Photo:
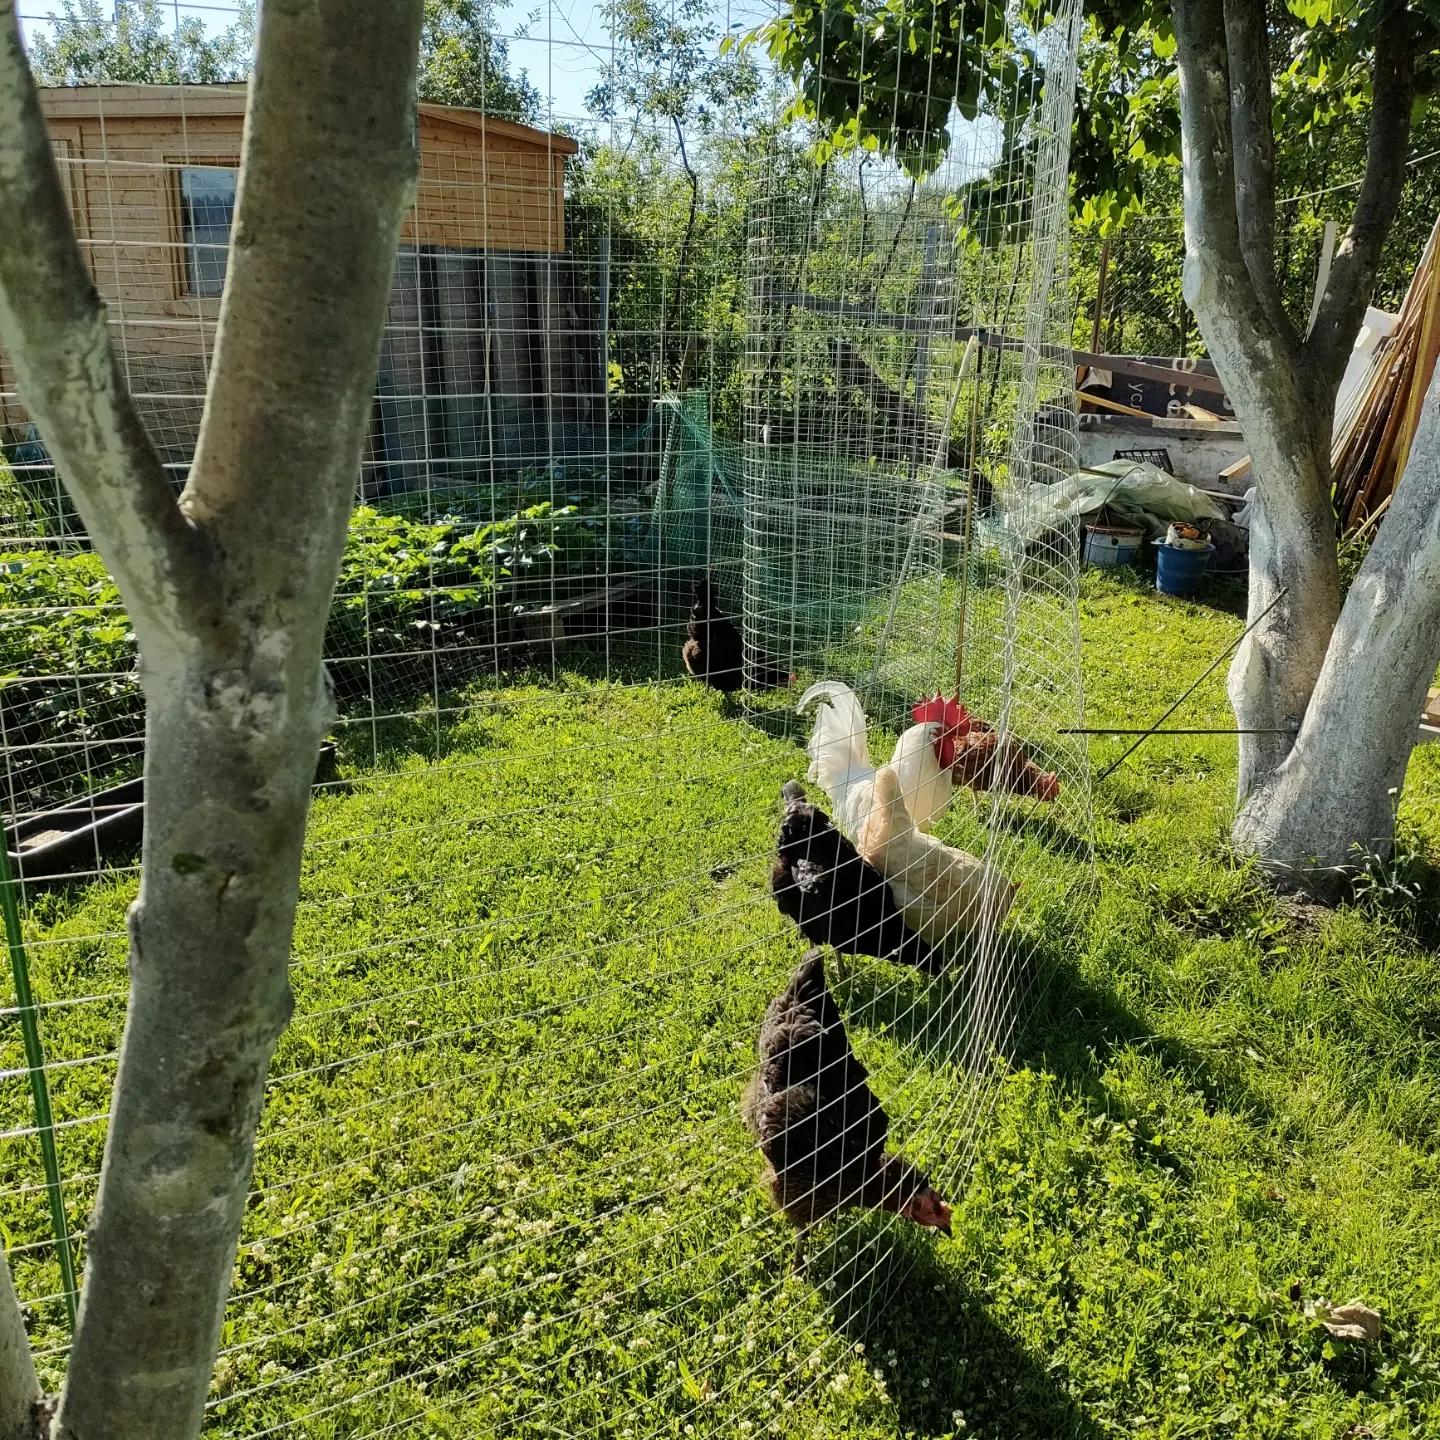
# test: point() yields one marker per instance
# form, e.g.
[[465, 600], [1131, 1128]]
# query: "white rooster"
[[840, 755], [942, 891]]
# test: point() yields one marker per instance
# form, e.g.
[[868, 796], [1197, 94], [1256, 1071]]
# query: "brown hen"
[[820, 1127]]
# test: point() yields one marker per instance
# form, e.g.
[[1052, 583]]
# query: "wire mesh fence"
[[502, 1184]]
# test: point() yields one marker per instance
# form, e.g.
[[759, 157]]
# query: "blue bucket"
[[1179, 572]]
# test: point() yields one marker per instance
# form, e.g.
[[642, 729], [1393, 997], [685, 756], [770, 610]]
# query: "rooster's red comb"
[[937, 709]]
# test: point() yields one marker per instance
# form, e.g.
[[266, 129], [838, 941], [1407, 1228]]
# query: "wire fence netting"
[[503, 1185]]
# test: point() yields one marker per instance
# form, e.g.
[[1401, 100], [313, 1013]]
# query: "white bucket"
[[1110, 545]]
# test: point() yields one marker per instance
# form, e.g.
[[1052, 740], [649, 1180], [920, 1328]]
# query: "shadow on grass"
[[941, 1352], [1050, 1020], [1036, 824], [1225, 593], [393, 715], [1074, 1028]]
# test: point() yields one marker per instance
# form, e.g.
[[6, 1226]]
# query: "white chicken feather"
[[941, 890], [840, 760]]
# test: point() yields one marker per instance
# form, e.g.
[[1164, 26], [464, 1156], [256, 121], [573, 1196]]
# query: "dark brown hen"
[[820, 881], [715, 653], [820, 1127]]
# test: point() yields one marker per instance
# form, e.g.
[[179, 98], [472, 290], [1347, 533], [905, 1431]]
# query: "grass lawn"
[[502, 1187]]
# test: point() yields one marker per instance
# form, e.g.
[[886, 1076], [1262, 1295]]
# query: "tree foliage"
[[668, 66], [893, 71], [138, 42], [463, 61], [687, 106], [886, 76], [144, 42]]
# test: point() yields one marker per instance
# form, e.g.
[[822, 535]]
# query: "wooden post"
[[402, 377], [1322, 277], [1424, 367], [929, 281], [604, 336], [461, 324], [513, 367], [1099, 319]]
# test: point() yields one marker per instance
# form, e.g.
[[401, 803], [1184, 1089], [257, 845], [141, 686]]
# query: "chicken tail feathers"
[[920, 954], [838, 742], [751, 1102], [807, 984]]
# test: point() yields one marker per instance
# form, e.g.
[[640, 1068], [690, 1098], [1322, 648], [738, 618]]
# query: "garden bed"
[[420, 607]]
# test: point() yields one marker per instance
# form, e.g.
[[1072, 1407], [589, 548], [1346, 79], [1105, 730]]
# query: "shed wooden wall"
[[495, 200], [123, 186], [496, 195]]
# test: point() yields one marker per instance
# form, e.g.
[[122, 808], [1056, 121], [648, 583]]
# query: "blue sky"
[[563, 51]]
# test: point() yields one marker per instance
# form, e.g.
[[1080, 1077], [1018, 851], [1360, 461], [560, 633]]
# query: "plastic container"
[[1111, 545], [1179, 572]]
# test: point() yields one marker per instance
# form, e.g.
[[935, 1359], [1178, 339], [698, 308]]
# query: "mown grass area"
[[503, 1190]]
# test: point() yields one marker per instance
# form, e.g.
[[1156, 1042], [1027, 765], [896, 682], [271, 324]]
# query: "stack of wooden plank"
[[1373, 436]]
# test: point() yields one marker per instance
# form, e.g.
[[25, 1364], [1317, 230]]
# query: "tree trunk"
[[227, 790], [1278, 397], [229, 591], [19, 1389], [1332, 801], [1282, 389], [1294, 580], [1294, 570]]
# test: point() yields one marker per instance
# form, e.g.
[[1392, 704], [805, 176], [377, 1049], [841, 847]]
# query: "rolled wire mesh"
[[501, 1184]]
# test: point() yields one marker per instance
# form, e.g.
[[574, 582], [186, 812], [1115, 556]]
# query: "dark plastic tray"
[[77, 839]]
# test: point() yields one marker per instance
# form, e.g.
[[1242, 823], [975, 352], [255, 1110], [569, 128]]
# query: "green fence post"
[[39, 1086]]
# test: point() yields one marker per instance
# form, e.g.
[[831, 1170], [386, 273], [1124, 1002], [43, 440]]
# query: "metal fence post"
[[39, 1086]]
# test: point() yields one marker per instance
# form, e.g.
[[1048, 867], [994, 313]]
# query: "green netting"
[[808, 542], [829, 540], [696, 519]]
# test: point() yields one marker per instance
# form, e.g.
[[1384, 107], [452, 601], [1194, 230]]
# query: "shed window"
[[207, 206]]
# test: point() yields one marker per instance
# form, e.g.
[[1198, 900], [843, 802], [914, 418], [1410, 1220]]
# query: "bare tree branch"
[[19, 1389], [1247, 41], [1352, 272], [1218, 283], [56, 332], [684, 261], [289, 349]]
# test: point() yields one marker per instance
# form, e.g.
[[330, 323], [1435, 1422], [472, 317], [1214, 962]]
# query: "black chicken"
[[836, 898], [820, 1127], [715, 653]]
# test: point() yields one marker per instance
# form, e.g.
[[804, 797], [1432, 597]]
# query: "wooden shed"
[[489, 317]]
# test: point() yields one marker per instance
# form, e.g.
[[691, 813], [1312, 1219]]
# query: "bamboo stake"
[[969, 369], [1426, 351], [1105, 403]]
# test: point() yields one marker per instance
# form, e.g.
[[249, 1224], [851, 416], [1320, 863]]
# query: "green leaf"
[[688, 1381]]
